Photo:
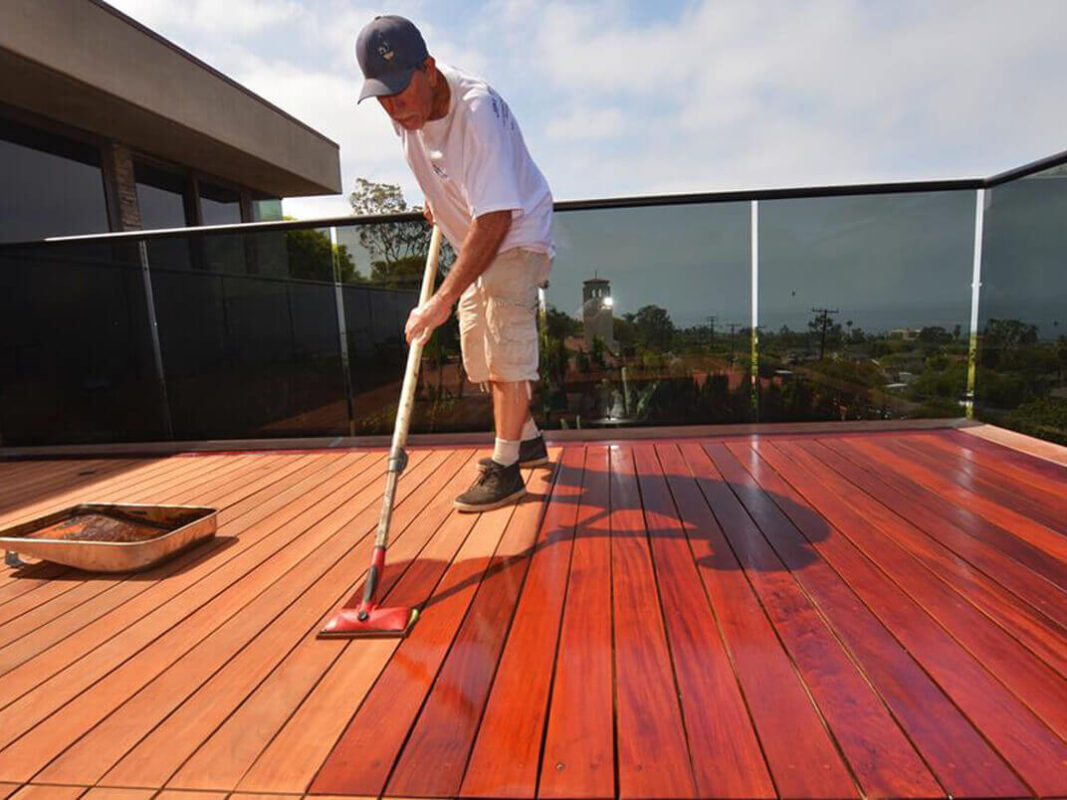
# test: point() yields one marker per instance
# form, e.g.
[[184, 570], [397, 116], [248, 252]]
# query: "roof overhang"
[[84, 64]]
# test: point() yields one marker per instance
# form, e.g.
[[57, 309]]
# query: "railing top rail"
[[638, 201], [635, 201], [1027, 169]]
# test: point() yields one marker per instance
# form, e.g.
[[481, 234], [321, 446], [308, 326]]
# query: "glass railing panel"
[[648, 318], [381, 268], [249, 334], [1022, 355], [76, 358], [865, 306]]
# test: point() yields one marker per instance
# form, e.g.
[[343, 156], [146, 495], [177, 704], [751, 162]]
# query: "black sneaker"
[[532, 453], [496, 486]]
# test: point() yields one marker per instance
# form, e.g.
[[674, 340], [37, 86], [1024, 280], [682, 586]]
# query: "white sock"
[[529, 430], [506, 452]]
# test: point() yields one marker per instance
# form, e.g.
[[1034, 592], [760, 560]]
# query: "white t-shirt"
[[473, 161]]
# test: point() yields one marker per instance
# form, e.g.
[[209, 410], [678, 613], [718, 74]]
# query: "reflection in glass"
[[76, 358], [219, 205], [266, 209], [51, 186], [250, 352], [1022, 356], [864, 306], [648, 318], [161, 197], [380, 267]]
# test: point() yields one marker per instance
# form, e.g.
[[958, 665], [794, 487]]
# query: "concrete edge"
[[1021, 442], [486, 438]]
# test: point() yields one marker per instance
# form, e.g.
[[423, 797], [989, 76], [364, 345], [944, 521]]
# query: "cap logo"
[[385, 50]]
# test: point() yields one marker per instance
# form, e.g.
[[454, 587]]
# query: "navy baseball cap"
[[389, 50]]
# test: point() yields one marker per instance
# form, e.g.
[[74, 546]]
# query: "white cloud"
[[232, 17], [620, 97], [588, 124]]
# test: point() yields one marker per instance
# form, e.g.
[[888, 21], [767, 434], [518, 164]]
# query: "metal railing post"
[[342, 330], [976, 286], [754, 362]]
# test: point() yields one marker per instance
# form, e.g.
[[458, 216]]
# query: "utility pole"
[[733, 326], [711, 323], [824, 316]]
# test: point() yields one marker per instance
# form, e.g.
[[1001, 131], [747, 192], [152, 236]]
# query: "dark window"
[[51, 186], [161, 195], [219, 205]]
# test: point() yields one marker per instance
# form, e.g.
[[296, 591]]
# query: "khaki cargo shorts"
[[498, 318]]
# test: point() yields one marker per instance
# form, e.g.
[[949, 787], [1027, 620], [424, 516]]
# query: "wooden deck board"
[[805, 615]]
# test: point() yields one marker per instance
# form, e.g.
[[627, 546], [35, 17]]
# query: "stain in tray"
[[95, 527]]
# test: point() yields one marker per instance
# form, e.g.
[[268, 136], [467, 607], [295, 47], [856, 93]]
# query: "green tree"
[[397, 248], [311, 257], [1003, 339], [653, 327]]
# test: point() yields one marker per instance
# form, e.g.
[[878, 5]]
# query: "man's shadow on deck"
[[713, 518]]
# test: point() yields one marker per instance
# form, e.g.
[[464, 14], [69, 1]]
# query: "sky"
[[662, 96]]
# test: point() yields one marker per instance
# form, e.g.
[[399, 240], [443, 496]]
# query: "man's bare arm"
[[479, 248]]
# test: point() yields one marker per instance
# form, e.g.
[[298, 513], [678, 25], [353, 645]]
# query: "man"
[[494, 206]]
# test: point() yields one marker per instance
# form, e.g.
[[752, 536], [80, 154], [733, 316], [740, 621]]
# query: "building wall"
[[83, 64]]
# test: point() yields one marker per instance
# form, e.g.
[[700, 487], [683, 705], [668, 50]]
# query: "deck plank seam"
[[893, 540], [209, 632], [112, 584], [832, 628], [559, 628], [1012, 601], [340, 652], [885, 625], [338, 598], [877, 568], [715, 615], [857, 784], [190, 560], [422, 703]]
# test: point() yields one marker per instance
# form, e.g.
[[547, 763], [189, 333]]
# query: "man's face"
[[411, 108]]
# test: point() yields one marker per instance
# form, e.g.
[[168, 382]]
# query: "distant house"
[[907, 334], [106, 126]]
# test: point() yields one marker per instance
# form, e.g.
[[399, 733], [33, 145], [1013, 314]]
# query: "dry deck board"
[[216, 563], [415, 565], [869, 611], [292, 759], [88, 587], [192, 717], [222, 594], [255, 596]]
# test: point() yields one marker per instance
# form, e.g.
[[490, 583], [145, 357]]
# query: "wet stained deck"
[[830, 615]]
